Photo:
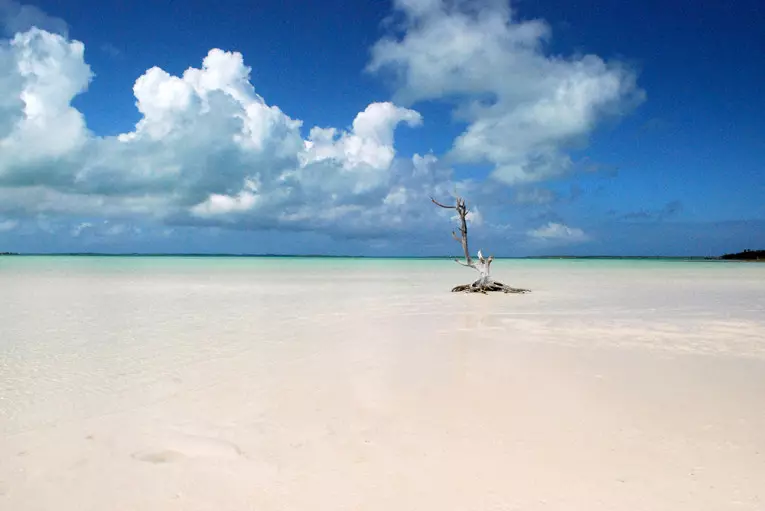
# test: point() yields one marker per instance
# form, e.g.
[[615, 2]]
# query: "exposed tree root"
[[486, 287]]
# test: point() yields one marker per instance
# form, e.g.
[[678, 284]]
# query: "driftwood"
[[484, 283]]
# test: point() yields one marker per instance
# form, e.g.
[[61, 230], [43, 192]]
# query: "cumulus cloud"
[[207, 150], [524, 108], [38, 125], [557, 233], [369, 145]]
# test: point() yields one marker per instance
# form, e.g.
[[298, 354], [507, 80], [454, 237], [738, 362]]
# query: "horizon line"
[[330, 256]]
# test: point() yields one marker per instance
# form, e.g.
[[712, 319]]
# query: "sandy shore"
[[368, 386]]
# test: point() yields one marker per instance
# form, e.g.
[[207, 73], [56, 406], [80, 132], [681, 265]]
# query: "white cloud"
[[104, 229], [523, 107], [558, 233], [38, 125], [473, 217], [357, 160], [207, 149], [370, 143], [8, 225], [217, 204], [15, 18]]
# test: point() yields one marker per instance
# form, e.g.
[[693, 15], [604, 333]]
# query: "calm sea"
[[190, 262]]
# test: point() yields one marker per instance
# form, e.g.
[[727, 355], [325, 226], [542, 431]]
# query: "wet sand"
[[367, 385]]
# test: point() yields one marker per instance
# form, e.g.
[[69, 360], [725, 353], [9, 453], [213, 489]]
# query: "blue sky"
[[588, 127]]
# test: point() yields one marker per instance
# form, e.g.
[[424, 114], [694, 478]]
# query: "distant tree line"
[[746, 255]]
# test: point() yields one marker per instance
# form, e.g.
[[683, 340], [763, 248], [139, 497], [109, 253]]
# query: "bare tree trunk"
[[484, 283]]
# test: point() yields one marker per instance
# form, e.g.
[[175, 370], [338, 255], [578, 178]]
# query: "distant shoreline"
[[324, 256], [752, 256]]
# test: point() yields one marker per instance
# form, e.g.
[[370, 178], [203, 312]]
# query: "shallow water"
[[279, 383]]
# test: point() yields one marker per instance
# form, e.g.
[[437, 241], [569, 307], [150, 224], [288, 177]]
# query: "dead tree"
[[484, 283]]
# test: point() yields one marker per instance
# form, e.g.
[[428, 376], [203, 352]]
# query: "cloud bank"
[[523, 107], [209, 150]]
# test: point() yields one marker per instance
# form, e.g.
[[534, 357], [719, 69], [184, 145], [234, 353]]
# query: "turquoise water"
[[137, 262]]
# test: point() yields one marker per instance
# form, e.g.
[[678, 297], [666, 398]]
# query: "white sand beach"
[[246, 384]]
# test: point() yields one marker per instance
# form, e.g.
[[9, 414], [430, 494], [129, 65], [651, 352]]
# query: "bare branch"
[[461, 209], [442, 205]]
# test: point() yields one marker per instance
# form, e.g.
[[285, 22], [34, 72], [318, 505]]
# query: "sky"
[[580, 127]]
